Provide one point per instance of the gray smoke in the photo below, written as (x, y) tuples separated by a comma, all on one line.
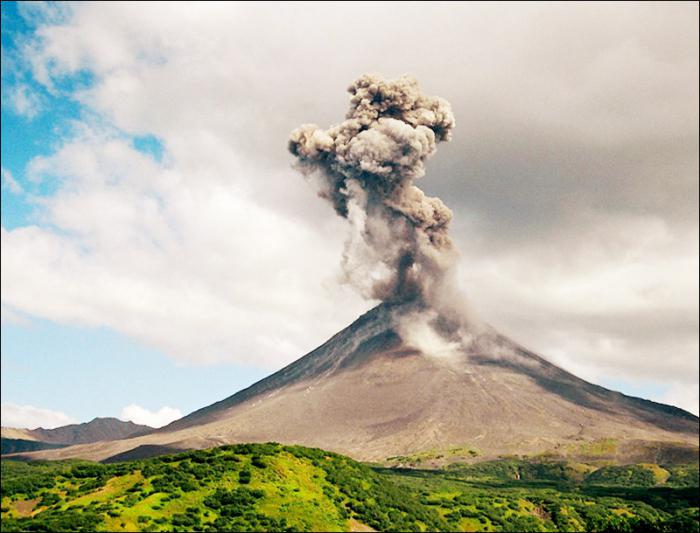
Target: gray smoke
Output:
[(399, 248)]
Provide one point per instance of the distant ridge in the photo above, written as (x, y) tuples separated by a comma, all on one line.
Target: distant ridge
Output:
[(98, 429), (23, 445)]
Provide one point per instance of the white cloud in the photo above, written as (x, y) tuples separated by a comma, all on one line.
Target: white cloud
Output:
[(140, 415), (572, 174), (189, 263), (9, 182), (30, 417), (24, 101)]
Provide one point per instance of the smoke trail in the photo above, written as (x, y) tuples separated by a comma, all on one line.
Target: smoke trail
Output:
[(399, 248)]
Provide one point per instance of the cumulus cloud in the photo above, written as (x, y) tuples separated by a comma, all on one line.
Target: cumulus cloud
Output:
[(140, 415), (30, 417), (159, 255), (573, 180)]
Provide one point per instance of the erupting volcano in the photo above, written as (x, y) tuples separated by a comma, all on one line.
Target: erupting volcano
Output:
[(419, 371)]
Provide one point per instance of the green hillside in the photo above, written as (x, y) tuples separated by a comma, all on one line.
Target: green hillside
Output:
[(270, 487)]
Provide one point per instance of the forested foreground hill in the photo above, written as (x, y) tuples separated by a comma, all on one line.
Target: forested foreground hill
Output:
[(269, 487)]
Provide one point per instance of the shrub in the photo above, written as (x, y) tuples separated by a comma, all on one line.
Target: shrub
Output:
[(49, 499), (258, 462), (244, 477)]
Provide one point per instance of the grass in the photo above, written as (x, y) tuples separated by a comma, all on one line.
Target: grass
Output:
[(596, 448), (446, 454)]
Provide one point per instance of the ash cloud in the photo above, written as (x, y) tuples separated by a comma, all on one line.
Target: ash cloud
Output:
[(399, 248)]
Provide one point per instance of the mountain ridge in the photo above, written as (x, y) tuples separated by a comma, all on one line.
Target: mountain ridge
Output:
[(97, 429)]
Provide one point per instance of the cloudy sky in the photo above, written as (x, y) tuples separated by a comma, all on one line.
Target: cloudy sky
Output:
[(159, 252)]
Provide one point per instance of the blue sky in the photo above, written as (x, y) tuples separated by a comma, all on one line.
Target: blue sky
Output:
[(89, 372), (160, 251)]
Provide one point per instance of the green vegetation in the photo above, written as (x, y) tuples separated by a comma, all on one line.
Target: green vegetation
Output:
[(270, 487), (261, 487), (596, 448), (518, 495)]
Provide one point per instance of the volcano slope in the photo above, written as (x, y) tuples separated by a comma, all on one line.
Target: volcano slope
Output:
[(368, 394)]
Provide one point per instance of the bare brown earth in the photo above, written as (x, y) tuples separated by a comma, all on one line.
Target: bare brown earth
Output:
[(364, 393), (25, 507)]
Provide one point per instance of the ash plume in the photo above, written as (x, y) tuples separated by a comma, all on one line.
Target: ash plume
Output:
[(399, 248)]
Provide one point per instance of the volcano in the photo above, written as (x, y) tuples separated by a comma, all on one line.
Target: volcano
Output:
[(416, 376), (369, 394)]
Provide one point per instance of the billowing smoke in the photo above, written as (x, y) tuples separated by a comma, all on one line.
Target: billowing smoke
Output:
[(399, 248)]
